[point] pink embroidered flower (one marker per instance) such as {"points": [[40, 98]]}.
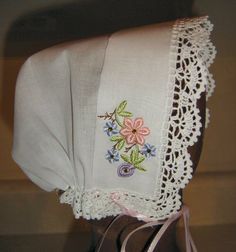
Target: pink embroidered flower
{"points": [[133, 131]]}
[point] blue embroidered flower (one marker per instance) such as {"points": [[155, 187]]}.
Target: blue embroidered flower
{"points": [[110, 128], [125, 170], [112, 155], [149, 150]]}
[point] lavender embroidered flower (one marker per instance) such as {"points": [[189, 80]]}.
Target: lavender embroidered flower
{"points": [[148, 150], [112, 155], [125, 170], [110, 128]]}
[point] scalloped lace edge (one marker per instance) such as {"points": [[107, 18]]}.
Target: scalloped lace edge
{"points": [[191, 54]]}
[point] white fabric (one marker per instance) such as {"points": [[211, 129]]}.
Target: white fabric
{"points": [[76, 101]]}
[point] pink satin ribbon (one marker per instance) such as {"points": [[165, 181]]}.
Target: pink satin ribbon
{"points": [[190, 246]]}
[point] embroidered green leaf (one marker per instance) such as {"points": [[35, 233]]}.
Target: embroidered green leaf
{"points": [[138, 161], [121, 144], [117, 119], [139, 167], [116, 138], [136, 152], [125, 114], [125, 158], [132, 156], [121, 107]]}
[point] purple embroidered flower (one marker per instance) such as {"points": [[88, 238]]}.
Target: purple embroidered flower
{"points": [[148, 150], [110, 128], [125, 170], [112, 155]]}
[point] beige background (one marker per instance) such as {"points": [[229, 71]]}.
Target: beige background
{"points": [[211, 194]]}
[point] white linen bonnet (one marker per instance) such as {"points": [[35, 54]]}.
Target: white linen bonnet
{"points": [[112, 117]]}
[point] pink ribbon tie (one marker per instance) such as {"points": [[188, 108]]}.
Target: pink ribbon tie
{"points": [[190, 246]]}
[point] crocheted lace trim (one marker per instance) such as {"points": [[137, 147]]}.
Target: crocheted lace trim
{"points": [[191, 55]]}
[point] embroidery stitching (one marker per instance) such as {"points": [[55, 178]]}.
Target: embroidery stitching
{"points": [[128, 136]]}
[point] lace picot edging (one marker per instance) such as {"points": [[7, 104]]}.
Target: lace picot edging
{"points": [[191, 55]]}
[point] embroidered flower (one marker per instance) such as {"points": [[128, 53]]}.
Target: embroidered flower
{"points": [[133, 131], [125, 170], [148, 150], [127, 136], [110, 128], [112, 155]]}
